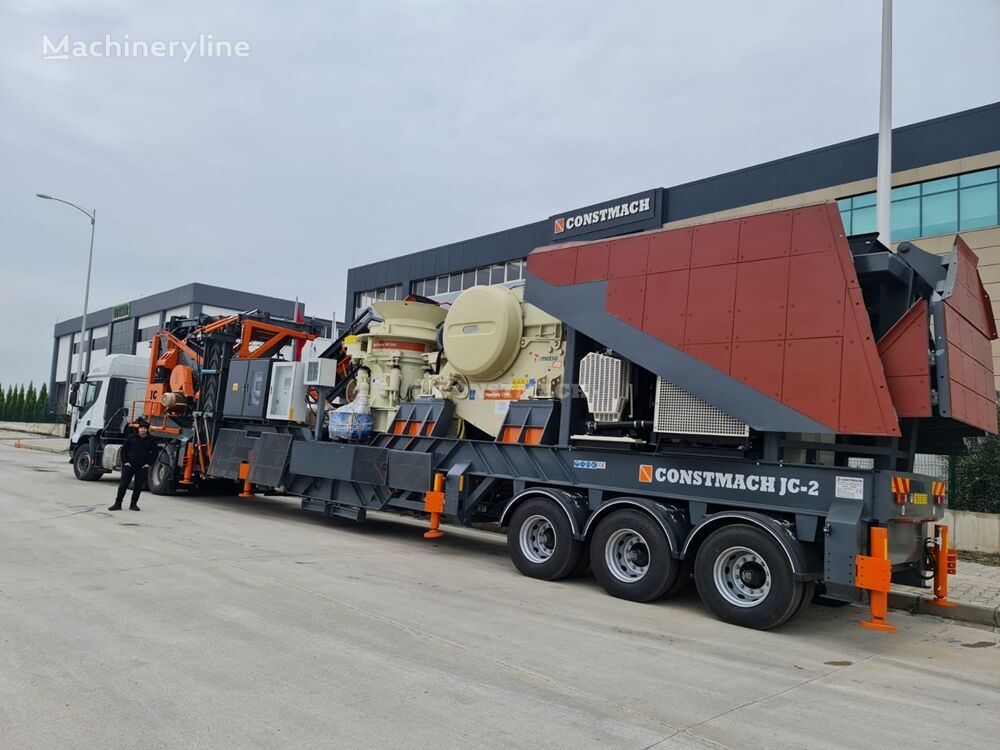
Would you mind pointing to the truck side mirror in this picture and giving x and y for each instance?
(73, 391)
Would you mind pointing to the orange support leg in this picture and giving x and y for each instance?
(245, 476)
(874, 573)
(188, 465)
(434, 504)
(945, 564)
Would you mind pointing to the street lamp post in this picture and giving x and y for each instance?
(92, 215)
(883, 180)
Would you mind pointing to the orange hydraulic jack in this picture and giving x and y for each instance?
(188, 465)
(874, 573)
(945, 564)
(434, 504)
(245, 476)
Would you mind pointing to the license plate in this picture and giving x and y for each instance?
(920, 498)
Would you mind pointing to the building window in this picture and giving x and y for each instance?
(370, 297)
(943, 206)
(498, 273)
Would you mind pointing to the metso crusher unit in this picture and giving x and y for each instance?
(736, 404)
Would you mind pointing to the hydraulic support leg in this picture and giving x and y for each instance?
(945, 564)
(434, 504)
(874, 573)
(188, 465)
(245, 476)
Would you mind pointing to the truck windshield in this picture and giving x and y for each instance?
(88, 395)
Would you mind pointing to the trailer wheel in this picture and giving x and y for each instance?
(160, 476)
(540, 541)
(744, 577)
(84, 466)
(631, 557)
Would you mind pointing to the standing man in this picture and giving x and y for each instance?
(138, 452)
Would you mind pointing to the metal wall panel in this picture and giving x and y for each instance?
(761, 300)
(904, 354)
(626, 298)
(710, 305)
(630, 257)
(665, 309)
(766, 236)
(811, 380)
(670, 250)
(592, 262)
(715, 244)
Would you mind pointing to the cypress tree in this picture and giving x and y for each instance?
(30, 403)
(19, 404)
(11, 402)
(42, 407)
(3, 404)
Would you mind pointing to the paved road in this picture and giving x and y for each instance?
(217, 622)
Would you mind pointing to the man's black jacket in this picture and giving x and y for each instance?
(139, 451)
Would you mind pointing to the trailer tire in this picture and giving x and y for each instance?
(85, 467)
(808, 592)
(744, 577)
(631, 557)
(160, 476)
(540, 541)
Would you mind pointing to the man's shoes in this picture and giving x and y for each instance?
(134, 507)
(116, 506)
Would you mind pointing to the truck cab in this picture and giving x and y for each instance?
(100, 410)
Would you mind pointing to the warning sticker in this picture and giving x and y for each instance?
(850, 488)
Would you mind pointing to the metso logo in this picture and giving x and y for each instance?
(605, 214)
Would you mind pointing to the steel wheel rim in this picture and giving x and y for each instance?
(537, 539)
(742, 577)
(83, 462)
(626, 555)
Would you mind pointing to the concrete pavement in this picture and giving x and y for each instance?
(213, 622)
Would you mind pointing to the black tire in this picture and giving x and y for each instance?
(160, 477)
(540, 541)
(684, 579)
(85, 467)
(767, 595)
(630, 557)
(808, 591)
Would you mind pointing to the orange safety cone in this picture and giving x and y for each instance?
(17, 443)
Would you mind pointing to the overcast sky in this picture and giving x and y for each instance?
(356, 131)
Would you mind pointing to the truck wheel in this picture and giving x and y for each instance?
(744, 577)
(540, 541)
(631, 557)
(160, 476)
(84, 465)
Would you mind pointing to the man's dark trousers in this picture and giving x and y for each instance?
(128, 473)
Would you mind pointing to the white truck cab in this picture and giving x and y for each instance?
(101, 408)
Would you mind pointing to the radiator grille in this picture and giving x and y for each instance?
(604, 380)
(678, 411)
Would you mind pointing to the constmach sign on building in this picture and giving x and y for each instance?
(641, 209)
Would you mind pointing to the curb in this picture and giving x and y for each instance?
(25, 445)
(962, 611)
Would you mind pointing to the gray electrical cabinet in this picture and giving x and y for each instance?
(247, 387)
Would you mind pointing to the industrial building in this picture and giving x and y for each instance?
(128, 328)
(945, 180)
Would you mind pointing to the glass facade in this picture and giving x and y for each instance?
(365, 299)
(941, 206)
(482, 276)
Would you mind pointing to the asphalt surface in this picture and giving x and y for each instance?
(215, 622)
